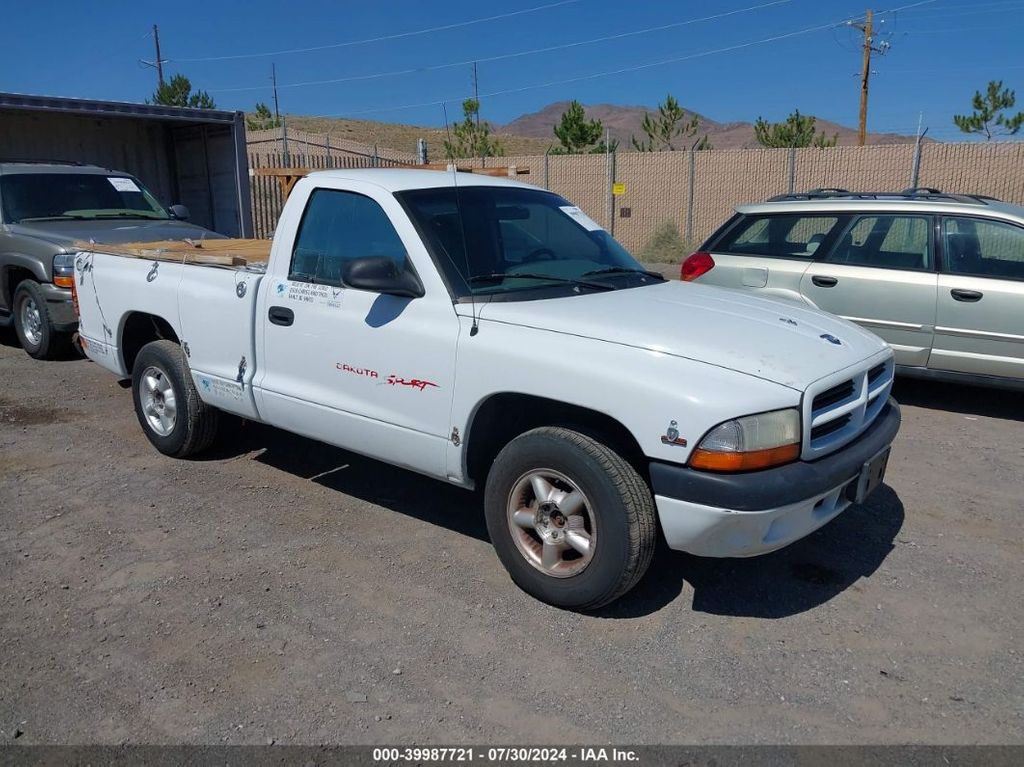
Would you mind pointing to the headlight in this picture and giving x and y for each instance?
(64, 270)
(749, 443)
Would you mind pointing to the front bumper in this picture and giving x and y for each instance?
(742, 515)
(60, 306)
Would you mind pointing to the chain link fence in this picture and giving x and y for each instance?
(669, 202)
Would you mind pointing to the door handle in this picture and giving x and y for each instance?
(969, 296)
(824, 282)
(281, 315)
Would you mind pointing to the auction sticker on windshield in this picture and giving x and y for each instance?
(123, 184)
(580, 218)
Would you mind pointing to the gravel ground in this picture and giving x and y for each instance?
(282, 590)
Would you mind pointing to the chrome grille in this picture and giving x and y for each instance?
(838, 408)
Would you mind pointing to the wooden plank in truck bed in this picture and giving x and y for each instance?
(218, 252)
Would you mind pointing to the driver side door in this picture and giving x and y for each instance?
(370, 372)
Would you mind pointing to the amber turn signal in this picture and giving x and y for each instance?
(64, 280)
(713, 460)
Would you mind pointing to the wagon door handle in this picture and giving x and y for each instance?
(824, 282)
(970, 296)
(281, 315)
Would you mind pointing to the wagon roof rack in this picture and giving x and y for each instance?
(913, 193)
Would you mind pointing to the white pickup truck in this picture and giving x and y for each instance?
(489, 334)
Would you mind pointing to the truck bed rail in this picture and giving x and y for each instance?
(220, 252)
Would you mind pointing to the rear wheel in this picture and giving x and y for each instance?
(570, 519)
(32, 323)
(168, 407)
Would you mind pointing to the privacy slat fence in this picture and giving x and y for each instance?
(674, 200)
(267, 198)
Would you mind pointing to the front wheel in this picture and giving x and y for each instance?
(168, 407)
(570, 519)
(32, 323)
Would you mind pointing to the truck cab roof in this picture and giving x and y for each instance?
(403, 179)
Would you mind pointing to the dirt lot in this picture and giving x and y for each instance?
(285, 590)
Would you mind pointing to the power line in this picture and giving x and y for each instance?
(944, 9)
(608, 73)
(624, 70)
(517, 54)
(976, 12)
(989, 28)
(382, 38)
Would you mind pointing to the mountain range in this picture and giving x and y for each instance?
(623, 122)
(533, 133)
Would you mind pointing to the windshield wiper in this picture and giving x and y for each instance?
(54, 217)
(128, 215)
(502, 276)
(624, 270)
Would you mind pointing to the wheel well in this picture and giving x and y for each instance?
(140, 329)
(12, 277)
(503, 417)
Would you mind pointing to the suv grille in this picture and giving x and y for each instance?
(835, 412)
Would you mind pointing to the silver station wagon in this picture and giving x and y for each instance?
(940, 277)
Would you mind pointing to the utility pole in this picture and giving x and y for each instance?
(869, 47)
(157, 63)
(273, 78)
(476, 98)
(476, 95)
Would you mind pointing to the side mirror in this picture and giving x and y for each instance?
(380, 274)
(180, 212)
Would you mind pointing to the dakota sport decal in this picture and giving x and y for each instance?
(391, 380)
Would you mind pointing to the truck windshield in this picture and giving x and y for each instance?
(503, 240)
(55, 196)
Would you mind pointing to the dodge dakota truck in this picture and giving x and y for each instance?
(490, 334)
(44, 208)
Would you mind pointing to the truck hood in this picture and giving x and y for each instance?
(112, 231)
(773, 339)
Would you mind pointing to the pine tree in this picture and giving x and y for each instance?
(177, 92)
(262, 118)
(988, 118)
(669, 127)
(578, 135)
(797, 130)
(472, 137)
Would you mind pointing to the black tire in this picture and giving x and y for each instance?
(195, 422)
(619, 500)
(42, 342)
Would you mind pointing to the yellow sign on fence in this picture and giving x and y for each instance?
(618, 189)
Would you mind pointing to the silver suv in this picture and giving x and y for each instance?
(940, 277)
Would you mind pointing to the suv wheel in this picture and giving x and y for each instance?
(32, 323)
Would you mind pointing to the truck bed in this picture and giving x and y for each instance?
(215, 252)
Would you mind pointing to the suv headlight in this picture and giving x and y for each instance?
(64, 270)
(749, 443)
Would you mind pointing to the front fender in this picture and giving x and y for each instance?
(644, 391)
(12, 261)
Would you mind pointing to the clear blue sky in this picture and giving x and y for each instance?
(940, 53)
